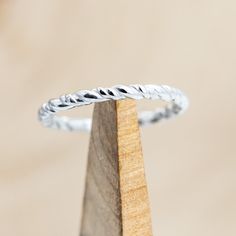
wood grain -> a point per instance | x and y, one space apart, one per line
116 200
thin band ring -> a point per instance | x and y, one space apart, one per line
178 103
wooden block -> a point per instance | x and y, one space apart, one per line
116 199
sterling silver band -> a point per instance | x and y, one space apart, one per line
178 103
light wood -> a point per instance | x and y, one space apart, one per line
116 200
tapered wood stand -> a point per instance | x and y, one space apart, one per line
116 200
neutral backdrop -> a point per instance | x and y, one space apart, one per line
51 47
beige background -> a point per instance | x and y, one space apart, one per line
51 47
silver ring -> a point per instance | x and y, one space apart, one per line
178 103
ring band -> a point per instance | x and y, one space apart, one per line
178 103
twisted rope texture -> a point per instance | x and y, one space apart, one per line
178 103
